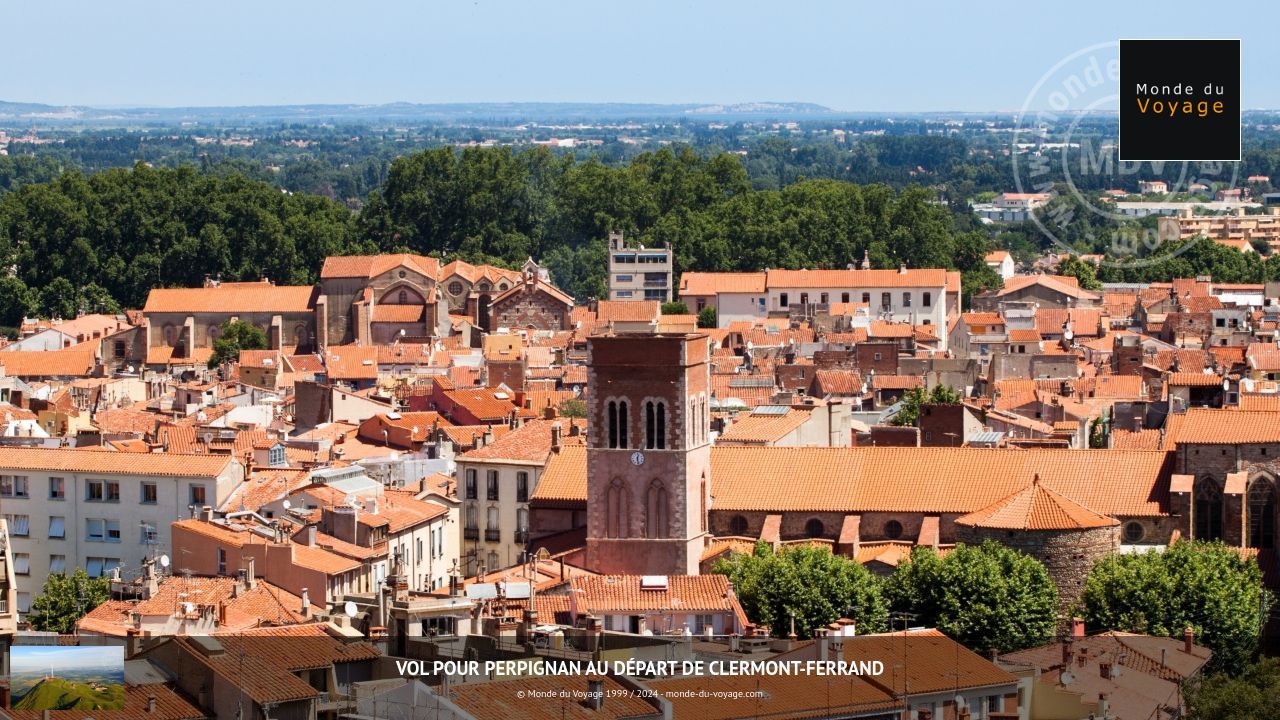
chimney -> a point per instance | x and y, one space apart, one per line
373 506
902 269
1104 707
151 704
555 437
821 635
1067 652
595 694
549 412
1188 639
311 536
306 604
222 621
1077 627
206 513
250 580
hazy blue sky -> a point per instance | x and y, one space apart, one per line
33 658
846 55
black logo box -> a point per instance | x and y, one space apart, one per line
1189 65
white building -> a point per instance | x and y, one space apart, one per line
100 510
1002 262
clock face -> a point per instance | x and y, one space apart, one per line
637 458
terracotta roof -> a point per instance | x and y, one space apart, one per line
611 594
837 382
756 429
628 310
351 362
84 461
1259 403
532 286
123 420
1085 322
483 403
232 298
1194 379
726 697
887 479
1209 426
367 266
1065 285
392 313
997 256
881 329
896 382
1036 507
465 435
707 283
982 318
1024 335
1139 440
75 361
927 278
531 442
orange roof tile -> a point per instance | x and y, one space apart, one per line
529 443
1194 379
367 266
628 310
1065 285
1135 440
757 429
928 277
392 313
351 362
232 298
75 361
605 594
1210 426
708 283
84 461
1036 507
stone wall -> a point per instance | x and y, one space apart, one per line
1068 555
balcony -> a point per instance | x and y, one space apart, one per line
522 537
492 535
471 533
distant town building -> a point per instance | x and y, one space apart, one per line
1011 207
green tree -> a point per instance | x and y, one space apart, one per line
707 318
59 299
807 584
236 335
987 597
675 308
66 598
573 408
913 399
1252 695
1208 587
16 301
1085 272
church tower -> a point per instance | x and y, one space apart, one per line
648 453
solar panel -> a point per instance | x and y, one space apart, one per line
771 410
516 590
482 591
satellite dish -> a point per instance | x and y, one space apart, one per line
188 608
1068 334
286 504
350 609
164 561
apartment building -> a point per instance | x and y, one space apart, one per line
69 509
639 273
1235 229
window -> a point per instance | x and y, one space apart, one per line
491 484
893 529
1134 532
1261 510
906 299
113 530
522 487
94 529
886 300
655 425
1208 509
113 491
623 278
866 298
617 523
822 298
57 488
19 525
419 555
844 297
624 293
276 455
657 518
471 517
148 493
493 560
57 527
149 535
197 495
617 421
14 486
783 300
927 301
471 485
57 564
814 528
21 564
737 525
119 348
804 298
222 561
93 490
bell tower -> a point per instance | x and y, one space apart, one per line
648 452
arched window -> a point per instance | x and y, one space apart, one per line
1262 512
611 411
702 503
814 528
657 519
624 439
893 529
655 425
737 525
403 297
213 333
616 525
1208 509
168 335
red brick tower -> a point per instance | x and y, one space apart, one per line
648 453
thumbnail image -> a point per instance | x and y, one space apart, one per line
66 678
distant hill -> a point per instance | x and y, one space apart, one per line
18 114
60 694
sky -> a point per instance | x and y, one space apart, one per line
33 658
852 56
